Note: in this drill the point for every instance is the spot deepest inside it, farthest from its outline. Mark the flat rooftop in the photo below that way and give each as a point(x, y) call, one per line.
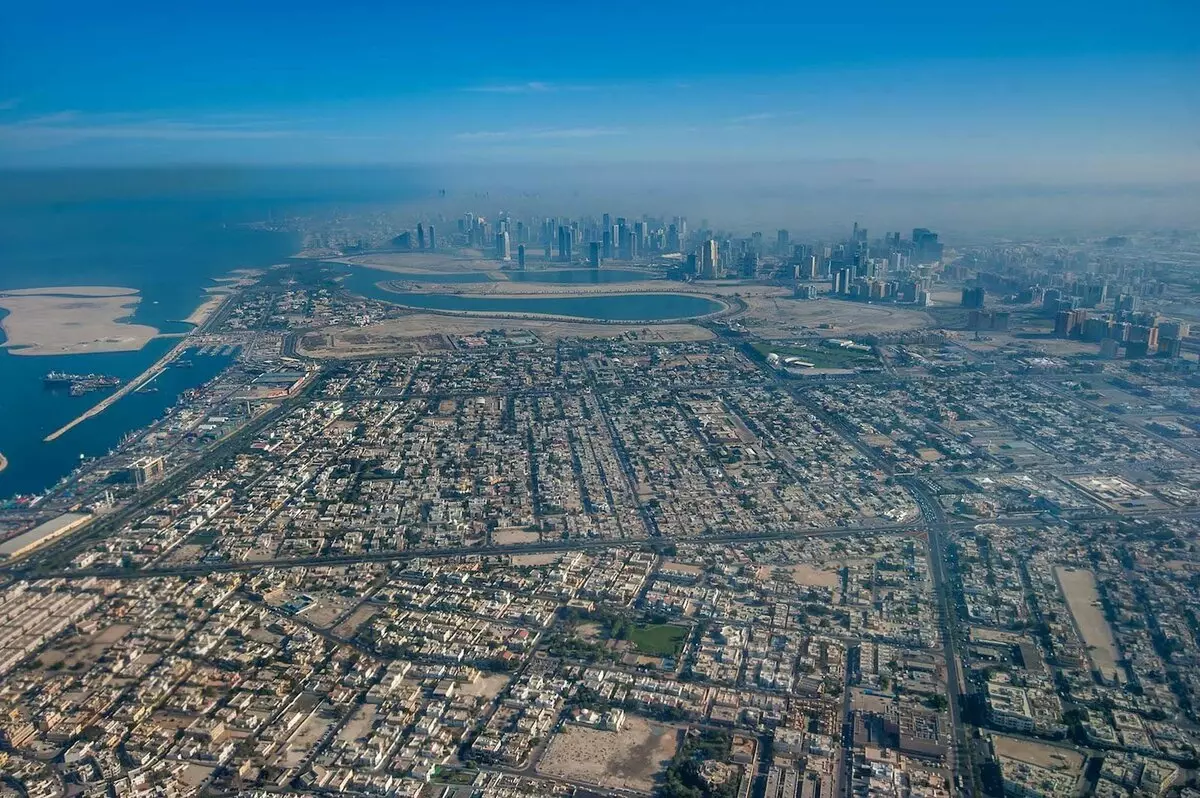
point(48, 529)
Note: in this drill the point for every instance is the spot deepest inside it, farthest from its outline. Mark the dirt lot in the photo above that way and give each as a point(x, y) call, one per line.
point(488, 686)
point(361, 615)
point(811, 576)
point(405, 334)
point(773, 313)
point(1079, 588)
point(630, 759)
point(529, 560)
point(1047, 756)
point(513, 537)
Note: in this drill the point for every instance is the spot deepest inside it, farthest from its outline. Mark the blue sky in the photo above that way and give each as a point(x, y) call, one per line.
point(1052, 83)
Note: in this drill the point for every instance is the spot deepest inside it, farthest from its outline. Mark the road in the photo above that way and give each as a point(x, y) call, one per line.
point(457, 551)
point(60, 551)
point(141, 379)
point(937, 527)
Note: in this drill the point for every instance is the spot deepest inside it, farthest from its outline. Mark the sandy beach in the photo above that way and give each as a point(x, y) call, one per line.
point(72, 320)
point(3, 462)
point(212, 301)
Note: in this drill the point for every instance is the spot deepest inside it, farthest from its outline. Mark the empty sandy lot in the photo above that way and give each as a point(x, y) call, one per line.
point(773, 313)
point(630, 759)
point(1079, 588)
point(404, 334)
point(811, 576)
point(1048, 756)
point(514, 537)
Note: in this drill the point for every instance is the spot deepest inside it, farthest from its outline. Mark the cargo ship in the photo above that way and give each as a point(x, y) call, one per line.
point(79, 384)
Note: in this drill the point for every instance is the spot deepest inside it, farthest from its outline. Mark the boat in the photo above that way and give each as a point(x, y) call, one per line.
point(79, 384)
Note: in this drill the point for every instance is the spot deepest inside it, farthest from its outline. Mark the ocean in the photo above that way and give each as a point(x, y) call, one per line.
point(63, 229)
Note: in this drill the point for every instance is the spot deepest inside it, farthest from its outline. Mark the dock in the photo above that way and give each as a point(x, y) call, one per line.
point(145, 377)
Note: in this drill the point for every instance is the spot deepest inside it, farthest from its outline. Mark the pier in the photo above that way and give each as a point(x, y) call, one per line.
point(137, 382)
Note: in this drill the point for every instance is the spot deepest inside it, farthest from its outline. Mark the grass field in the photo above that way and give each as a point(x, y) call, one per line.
point(822, 357)
point(658, 640)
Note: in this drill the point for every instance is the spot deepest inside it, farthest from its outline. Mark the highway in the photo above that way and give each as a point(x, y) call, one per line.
point(457, 551)
point(61, 551)
point(937, 527)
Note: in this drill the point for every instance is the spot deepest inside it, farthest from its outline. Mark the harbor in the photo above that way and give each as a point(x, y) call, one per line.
point(79, 384)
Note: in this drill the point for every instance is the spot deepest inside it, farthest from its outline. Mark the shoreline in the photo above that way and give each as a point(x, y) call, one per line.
point(724, 308)
point(3, 461)
point(505, 289)
point(39, 321)
point(72, 320)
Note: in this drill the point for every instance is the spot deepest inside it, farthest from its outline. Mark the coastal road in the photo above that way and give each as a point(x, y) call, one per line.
point(60, 552)
point(145, 377)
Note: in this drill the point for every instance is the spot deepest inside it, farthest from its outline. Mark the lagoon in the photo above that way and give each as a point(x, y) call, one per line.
point(603, 307)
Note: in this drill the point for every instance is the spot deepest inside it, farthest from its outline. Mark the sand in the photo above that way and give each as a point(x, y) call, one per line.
point(514, 537)
point(72, 320)
point(773, 313)
point(812, 576)
point(1053, 757)
point(1083, 600)
point(72, 291)
point(402, 335)
point(3, 462)
point(209, 306)
point(630, 759)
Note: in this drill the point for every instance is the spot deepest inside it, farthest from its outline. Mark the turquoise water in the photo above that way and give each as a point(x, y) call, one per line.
point(610, 307)
point(605, 307)
point(169, 249)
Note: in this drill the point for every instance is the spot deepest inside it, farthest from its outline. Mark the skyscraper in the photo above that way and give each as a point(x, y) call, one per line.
point(503, 246)
point(420, 236)
point(521, 257)
point(564, 243)
point(782, 243)
point(594, 254)
point(750, 265)
point(432, 238)
point(607, 242)
point(673, 242)
point(709, 258)
point(926, 248)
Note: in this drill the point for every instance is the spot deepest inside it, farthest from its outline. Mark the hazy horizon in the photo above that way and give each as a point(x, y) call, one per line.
point(802, 198)
point(1026, 118)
